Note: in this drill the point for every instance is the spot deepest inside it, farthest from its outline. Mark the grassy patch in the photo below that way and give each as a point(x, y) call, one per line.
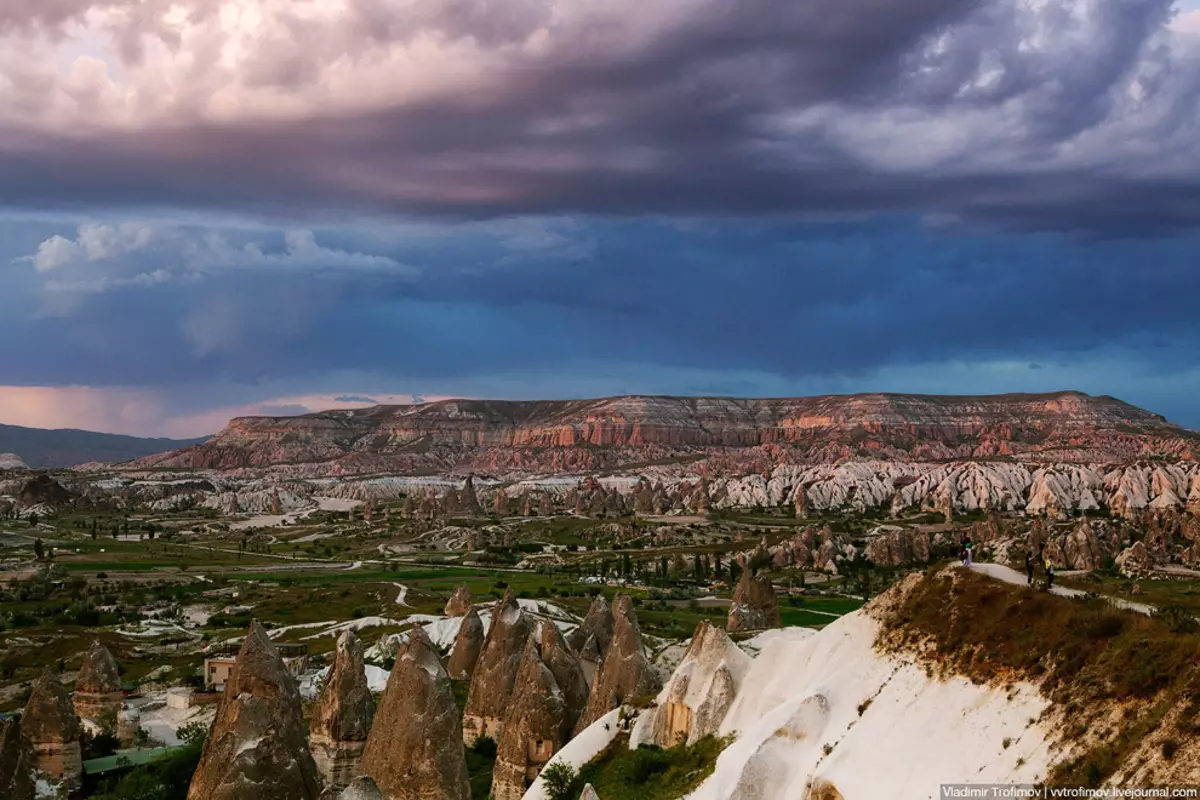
point(650, 773)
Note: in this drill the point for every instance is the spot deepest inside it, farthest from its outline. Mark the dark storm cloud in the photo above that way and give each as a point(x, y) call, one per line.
point(1068, 115)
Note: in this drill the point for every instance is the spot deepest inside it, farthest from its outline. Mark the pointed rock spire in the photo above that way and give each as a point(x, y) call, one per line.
point(535, 727)
point(342, 717)
point(694, 702)
point(589, 793)
point(16, 762)
point(594, 635)
point(51, 725)
point(754, 606)
point(460, 602)
point(626, 672)
point(415, 750)
point(98, 695)
point(567, 671)
point(467, 646)
point(256, 749)
point(496, 670)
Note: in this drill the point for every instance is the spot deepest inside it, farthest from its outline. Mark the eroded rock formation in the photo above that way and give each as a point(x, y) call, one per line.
point(52, 727)
point(17, 773)
point(594, 635)
point(256, 748)
point(694, 702)
point(566, 668)
point(460, 602)
point(496, 670)
point(342, 717)
point(755, 606)
point(626, 672)
point(467, 646)
point(535, 727)
point(98, 695)
point(415, 749)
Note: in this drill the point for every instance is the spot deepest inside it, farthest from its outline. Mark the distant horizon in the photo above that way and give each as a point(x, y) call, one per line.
point(360, 402)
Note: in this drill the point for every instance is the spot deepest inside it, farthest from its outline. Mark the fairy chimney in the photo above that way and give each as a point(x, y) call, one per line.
point(592, 638)
point(626, 672)
point(535, 727)
point(467, 646)
point(460, 602)
point(98, 695)
point(341, 719)
point(564, 665)
point(754, 606)
point(50, 724)
point(415, 749)
point(17, 774)
point(496, 670)
point(256, 748)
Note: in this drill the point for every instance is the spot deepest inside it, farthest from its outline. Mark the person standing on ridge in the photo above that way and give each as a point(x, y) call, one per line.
point(1029, 567)
point(970, 551)
point(1049, 574)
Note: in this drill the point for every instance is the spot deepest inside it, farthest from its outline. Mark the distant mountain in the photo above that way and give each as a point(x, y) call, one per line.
point(67, 448)
point(586, 435)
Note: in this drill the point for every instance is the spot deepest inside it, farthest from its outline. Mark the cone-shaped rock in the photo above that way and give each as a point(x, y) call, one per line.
point(535, 727)
point(362, 788)
point(460, 602)
point(496, 670)
point(589, 793)
point(592, 638)
point(755, 606)
point(626, 672)
point(51, 726)
point(16, 763)
point(256, 749)
point(565, 667)
point(342, 717)
point(98, 695)
point(467, 646)
point(415, 750)
point(694, 702)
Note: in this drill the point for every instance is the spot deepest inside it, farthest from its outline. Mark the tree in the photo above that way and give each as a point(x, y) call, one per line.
point(559, 780)
point(39, 549)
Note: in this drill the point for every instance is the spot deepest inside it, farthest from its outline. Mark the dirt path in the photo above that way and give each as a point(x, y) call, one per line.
point(1002, 573)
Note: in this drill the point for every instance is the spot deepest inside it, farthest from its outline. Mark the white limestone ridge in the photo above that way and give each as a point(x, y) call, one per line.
point(829, 709)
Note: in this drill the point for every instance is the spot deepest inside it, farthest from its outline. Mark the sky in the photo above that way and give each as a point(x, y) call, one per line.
point(211, 208)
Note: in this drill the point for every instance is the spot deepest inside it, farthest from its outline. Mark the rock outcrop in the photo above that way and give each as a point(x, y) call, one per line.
point(361, 788)
point(564, 665)
point(496, 670)
point(594, 635)
point(98, 695)
point(626, 672)
point(589, 793)
point(17, 775)
point(535, 727)
point(755, 606)
point(695, 700)
point(467, 646)
point(342, 717)
point(460, 602)
point(256, 748)
point(50, 724)
point(415, 749)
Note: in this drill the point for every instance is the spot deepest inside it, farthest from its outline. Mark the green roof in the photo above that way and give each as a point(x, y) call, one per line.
point(99, 766)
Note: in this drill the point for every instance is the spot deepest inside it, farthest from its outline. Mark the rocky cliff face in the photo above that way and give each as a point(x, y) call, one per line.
point(256, 749)
point(16, 763)
point(754, 606)
point(694, 702)
point(496, 670)
point(342, 717)
point(468, 644)
point(535, 727)
point(626, 672)
point(51, 726)
point(98, 695)
point(590, 434)
point(415, 749)
point(594, 635)
point(564, 665)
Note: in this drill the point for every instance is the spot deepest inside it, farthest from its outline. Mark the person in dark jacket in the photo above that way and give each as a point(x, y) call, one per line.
point(1029, 567)
point(1049, 574)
